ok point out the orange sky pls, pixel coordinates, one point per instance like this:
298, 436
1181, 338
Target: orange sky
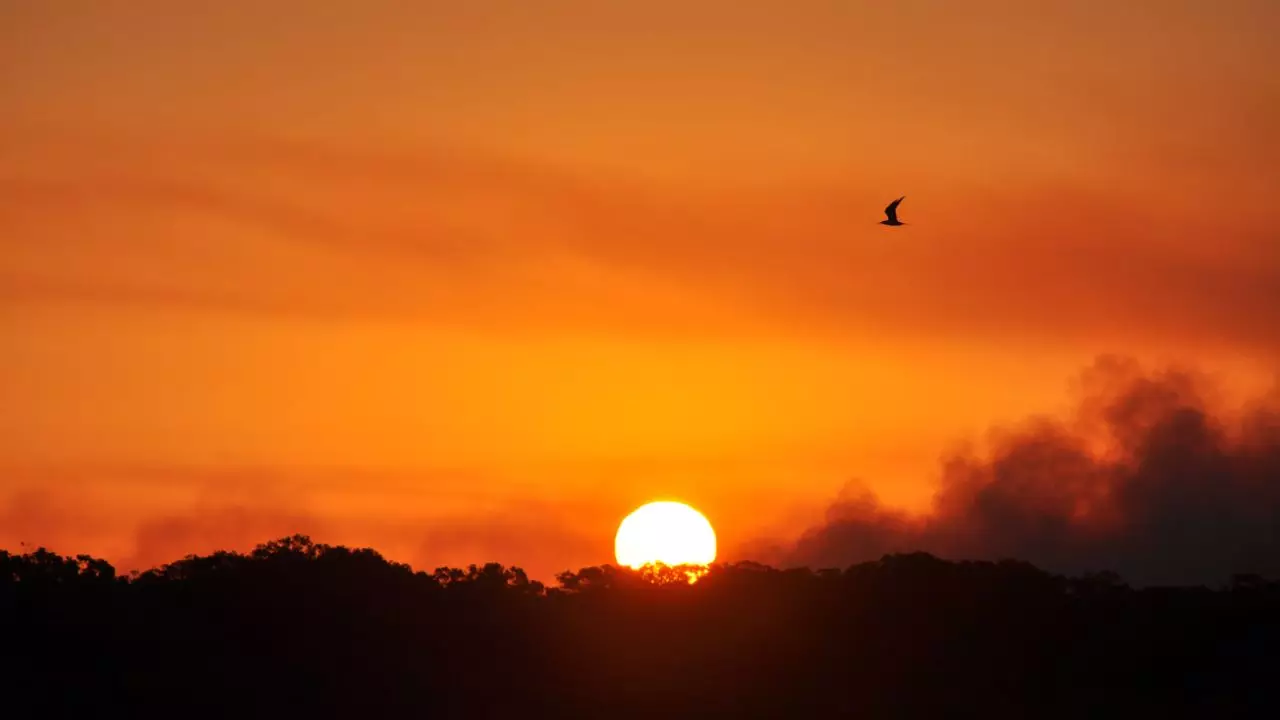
469, 281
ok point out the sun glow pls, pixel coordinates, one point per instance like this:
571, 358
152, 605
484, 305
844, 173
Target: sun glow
667, 533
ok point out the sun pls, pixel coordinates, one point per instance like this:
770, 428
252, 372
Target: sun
670, 533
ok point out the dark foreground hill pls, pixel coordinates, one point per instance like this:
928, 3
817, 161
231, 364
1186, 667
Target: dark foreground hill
300, 630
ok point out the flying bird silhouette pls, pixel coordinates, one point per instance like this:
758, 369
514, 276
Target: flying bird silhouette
891, 212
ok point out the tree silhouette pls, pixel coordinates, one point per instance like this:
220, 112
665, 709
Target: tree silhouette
298, 628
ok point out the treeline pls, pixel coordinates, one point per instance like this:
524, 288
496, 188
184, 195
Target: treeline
300, 629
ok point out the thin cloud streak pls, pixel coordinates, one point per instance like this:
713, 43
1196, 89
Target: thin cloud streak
1043, 256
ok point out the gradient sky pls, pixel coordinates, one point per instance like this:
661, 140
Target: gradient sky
469, 281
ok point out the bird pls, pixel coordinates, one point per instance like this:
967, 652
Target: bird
891, 212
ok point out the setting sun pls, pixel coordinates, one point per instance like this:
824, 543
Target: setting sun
670, 533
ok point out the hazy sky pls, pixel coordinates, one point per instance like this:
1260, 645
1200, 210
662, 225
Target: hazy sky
469, 281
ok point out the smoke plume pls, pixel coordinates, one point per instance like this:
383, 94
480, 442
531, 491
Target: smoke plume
1150, 477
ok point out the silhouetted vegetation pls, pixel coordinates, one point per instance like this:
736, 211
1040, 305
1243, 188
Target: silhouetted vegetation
298, 629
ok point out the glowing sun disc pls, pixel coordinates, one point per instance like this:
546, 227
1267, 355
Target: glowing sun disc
670, 533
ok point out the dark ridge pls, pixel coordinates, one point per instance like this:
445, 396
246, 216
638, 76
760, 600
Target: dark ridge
299, 629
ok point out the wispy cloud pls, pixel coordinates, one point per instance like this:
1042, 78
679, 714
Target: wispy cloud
305, 229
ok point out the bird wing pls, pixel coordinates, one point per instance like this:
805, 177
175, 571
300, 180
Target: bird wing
892, 209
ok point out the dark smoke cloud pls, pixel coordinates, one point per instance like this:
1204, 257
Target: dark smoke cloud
1151, 477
